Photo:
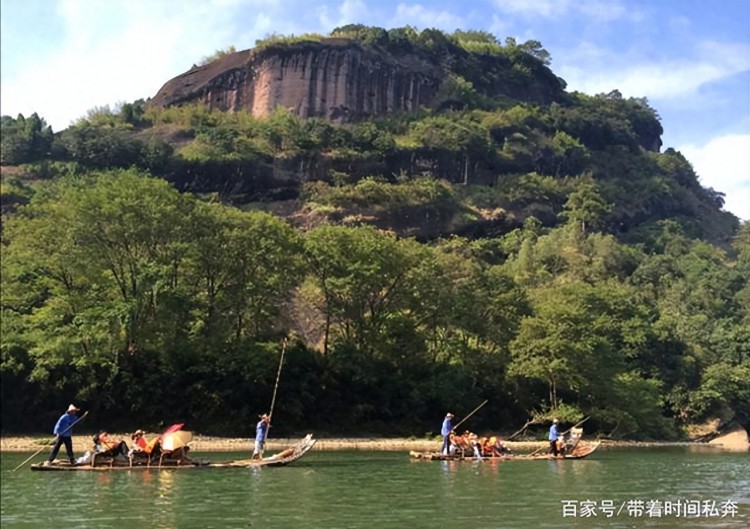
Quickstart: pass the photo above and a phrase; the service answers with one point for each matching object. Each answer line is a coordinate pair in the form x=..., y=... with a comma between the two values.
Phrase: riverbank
x=736, y=441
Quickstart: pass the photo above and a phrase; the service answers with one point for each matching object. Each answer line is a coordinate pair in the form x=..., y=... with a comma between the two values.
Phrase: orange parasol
x=175, y=439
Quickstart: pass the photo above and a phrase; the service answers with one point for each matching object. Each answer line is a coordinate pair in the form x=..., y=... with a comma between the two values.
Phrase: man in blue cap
x=553, y=435
x=445, y=431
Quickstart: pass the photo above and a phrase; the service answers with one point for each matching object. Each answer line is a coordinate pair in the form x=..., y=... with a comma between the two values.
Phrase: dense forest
x=547, y=257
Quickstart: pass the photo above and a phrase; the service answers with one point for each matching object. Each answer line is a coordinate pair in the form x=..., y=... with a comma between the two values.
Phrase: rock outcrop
x=337, y=80
x=340, y=80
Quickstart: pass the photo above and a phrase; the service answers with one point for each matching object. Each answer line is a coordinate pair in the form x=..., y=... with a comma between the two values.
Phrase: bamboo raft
x=581, y=451
x=105, y=464
x=574, y=449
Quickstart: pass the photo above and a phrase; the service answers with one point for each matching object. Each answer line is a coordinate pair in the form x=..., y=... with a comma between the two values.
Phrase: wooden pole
x=278, y=376
x=472, y=413
x=275, y=388
x=535, y=452
x=53, y=439
x=576, y=425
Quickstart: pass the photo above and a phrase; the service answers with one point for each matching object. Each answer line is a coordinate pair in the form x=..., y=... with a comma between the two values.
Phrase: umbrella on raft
x=175, y=437
x=175, y=427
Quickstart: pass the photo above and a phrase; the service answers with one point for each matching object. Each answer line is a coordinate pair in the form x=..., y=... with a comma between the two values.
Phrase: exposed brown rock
x=343, y=80
x=338, y=80
x=736, y=440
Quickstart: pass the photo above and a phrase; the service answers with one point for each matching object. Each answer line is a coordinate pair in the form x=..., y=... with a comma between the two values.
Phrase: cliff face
x=338, y=81
x=341, y=80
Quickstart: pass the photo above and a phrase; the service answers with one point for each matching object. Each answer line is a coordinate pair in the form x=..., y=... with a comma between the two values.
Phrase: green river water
x=665, y=487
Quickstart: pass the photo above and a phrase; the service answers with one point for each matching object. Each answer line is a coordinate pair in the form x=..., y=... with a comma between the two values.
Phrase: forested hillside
x=540, y=253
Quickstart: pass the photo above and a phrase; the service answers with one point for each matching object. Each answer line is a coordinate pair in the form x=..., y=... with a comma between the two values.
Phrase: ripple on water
x=376, y=490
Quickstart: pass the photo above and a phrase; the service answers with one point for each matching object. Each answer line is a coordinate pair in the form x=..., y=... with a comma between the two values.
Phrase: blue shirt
x=447, y=427
x=260, y=431
x=553, y=435
x=64, y=423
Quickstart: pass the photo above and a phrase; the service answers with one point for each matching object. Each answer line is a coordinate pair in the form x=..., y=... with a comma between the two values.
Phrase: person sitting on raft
x=561, y=446
x=150, y=448
x=460, y=443
x=106, y=446
x=499, y=447
x=494, y=447
x=475, y=445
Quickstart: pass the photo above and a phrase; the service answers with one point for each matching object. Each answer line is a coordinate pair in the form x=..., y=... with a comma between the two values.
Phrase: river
x=664, y=487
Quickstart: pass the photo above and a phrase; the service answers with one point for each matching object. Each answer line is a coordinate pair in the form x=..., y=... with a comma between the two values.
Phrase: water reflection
x=379, y=490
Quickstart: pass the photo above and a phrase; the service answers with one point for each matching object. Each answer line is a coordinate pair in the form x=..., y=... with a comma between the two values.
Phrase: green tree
x=24, y=140
x=218, y=54
x=373, y=36
x=242, y=268
x=283, y=131
x=362, y=274
x=569, y=336
x=402, y=39
x=586, y=208
x=100, y=147
x=536, y=50
x=463, y=306
x=104, y=259
x=464, y=137
x=563, y=156
x=132, y=113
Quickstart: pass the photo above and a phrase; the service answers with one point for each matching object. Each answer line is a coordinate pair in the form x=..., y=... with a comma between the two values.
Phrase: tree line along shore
x=736, y=440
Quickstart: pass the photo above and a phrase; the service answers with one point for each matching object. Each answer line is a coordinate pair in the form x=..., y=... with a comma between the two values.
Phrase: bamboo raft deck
x=283, y=458
x=581, y=451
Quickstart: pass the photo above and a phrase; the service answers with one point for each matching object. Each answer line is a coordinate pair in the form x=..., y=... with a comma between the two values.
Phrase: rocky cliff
x=337, y=80
x=340, y=80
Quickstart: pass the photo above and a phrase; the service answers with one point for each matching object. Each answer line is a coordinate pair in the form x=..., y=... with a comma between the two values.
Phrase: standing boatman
x=261, y=431
x=553, y=435
x=64, y=432
x=445, y=431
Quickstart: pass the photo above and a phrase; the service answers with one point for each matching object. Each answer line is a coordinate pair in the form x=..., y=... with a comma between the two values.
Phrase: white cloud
x=650, y=80
x=637, y=75
x=499, y=26
x=354, y=11
x=724, y=164
x=423, y=18
x=349, y=12
x=601, y=12
x=597, y=12
x=545, y=8
x=263, y=25
x=102, y=60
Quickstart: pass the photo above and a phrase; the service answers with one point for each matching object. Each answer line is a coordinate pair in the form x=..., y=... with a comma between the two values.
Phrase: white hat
x=448, y=415
x=72, y=408
x=555, y=421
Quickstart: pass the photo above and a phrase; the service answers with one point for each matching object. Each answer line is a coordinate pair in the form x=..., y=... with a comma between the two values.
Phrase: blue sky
x=690, y=58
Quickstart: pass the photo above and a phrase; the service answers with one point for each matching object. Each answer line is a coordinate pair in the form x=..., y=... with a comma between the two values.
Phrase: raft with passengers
x=470, y=447
x=170, y=450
